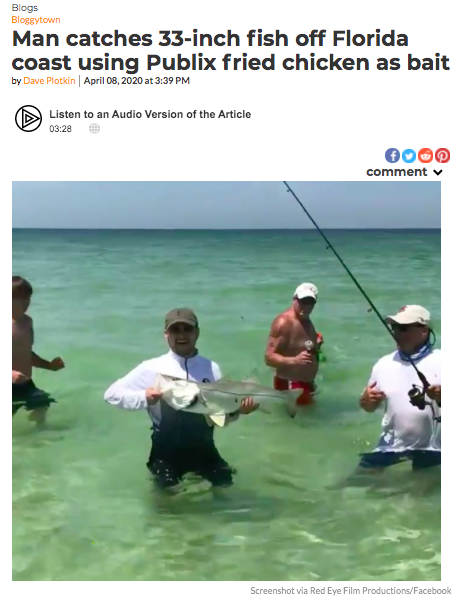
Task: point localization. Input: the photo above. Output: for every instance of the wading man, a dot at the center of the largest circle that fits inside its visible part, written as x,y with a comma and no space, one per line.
292,347
408,433
182,442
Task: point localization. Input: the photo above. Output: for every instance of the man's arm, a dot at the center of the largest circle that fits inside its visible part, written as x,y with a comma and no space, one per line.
247,406
275,343
54,365
38,362
132,391
372,397
435,393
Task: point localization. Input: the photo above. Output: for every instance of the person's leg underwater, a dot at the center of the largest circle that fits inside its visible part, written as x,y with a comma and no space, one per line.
212,467
371,466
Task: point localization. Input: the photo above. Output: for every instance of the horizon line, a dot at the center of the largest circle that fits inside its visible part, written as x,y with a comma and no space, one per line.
228,229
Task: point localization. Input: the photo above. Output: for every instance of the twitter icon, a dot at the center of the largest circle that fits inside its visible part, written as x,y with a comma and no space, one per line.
408,155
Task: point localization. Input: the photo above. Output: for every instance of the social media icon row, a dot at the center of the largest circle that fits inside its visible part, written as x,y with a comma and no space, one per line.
424,155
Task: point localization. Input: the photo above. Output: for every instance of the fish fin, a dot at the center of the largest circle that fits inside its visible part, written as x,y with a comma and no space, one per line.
292,410
251,379
218,419
293,395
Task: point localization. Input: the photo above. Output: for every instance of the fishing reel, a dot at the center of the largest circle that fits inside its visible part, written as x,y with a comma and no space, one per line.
417,397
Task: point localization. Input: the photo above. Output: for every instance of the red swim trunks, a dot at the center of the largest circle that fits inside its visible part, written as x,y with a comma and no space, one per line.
305,398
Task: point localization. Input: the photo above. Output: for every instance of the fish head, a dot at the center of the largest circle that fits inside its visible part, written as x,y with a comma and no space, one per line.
180,394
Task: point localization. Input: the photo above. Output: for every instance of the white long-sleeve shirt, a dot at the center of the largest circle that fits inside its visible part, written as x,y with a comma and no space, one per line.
129,392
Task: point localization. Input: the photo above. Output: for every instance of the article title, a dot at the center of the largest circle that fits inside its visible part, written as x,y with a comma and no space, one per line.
310,59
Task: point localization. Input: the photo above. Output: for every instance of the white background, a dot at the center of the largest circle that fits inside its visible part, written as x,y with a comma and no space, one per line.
320,125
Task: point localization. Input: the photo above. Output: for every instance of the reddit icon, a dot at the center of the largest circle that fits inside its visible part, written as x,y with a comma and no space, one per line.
425,155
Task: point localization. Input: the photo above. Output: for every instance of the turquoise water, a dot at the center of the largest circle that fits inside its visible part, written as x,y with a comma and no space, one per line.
83,505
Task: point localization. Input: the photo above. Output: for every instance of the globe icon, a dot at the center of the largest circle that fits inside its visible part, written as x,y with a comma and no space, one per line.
95,128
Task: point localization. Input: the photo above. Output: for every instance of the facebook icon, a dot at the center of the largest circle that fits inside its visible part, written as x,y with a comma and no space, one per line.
392,155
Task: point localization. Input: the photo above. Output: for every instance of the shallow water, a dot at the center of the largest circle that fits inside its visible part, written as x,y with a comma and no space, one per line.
83,505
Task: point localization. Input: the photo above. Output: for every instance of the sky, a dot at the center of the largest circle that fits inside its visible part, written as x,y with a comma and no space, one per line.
225,205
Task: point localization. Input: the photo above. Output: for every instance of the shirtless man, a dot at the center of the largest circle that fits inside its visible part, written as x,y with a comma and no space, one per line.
296,367
25,393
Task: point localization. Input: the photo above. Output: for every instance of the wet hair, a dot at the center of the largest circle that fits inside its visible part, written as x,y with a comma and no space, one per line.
22,289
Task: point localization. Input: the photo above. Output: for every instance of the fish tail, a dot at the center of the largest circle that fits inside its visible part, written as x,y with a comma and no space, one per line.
292,397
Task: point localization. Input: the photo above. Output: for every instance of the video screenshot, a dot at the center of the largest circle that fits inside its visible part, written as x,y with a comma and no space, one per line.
226,248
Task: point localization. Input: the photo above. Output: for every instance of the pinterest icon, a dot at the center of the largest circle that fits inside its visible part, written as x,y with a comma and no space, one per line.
442,155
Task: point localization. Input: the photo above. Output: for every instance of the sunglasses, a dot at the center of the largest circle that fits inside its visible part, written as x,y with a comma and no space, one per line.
403,328
307,301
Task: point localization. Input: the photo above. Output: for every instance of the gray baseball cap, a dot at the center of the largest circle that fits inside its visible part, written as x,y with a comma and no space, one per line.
184,315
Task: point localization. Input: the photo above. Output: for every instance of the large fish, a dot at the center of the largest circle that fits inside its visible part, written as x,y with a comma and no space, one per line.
219,398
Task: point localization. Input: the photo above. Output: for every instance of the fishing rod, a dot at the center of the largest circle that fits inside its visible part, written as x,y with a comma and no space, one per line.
416,397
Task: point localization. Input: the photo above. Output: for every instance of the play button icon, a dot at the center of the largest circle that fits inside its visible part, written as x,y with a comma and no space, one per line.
28,118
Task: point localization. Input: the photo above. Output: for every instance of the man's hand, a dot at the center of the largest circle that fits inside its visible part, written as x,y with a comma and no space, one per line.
435,393
371,398
56,364
248,405
305,357
152,396
19,378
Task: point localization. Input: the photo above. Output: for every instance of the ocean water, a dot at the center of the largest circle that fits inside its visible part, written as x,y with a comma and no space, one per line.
84,507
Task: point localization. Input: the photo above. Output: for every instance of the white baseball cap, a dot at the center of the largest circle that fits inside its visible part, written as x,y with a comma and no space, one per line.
411,315
306,290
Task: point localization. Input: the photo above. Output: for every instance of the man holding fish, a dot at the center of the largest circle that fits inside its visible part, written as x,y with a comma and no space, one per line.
181,392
